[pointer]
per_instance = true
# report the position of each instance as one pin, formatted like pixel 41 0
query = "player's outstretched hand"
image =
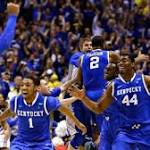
pixel 76 92
pixel 82 128
pixel 142 58
pixel 13 9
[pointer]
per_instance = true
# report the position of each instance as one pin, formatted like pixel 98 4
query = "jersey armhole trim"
pixel 15 105
pixel 145 86
pixel 45 108
pixel 113 89
pixel 108 57
pixel 81 61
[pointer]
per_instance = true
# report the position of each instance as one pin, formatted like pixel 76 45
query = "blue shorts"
pixel 30 146
pixel 84 116
pixel 106 137
pixel 108 132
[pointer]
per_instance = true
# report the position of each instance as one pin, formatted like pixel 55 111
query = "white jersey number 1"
pixel 30 123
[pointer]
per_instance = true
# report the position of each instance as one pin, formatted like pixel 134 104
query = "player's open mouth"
pixel 24 93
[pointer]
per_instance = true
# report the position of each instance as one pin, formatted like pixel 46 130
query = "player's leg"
pixel 105 136
pixel 99 121
pixel 77 138
pixel 84 116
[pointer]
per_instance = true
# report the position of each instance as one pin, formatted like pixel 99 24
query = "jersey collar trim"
pixel 124 80
pixel 36 97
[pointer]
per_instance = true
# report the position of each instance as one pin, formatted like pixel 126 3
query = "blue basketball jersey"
pixel 75 59
pixel 75 62
pixel 133 98
pixel 33 120
pixel 113 110
pixel 55 92
pixel 93 66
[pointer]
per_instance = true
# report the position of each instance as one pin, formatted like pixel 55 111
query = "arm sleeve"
pixel 12 121
pixel 52 104
pixel 8 33
pixel 55 92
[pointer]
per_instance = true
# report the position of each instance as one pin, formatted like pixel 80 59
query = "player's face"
pixel 111 71
pixel 125 65
pixel 1 99
pixel 27 88
pixel 44 87
pixel 87 46
pixel 18 81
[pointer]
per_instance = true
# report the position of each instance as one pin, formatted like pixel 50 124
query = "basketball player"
pixel 33 111
pixel 131 92
pixel 91 71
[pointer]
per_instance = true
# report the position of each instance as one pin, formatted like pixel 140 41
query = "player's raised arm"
pixel 9 31
pixel 141 58
pixel 113 57
pixel 64 110
pixel 76 79
pixel 96 107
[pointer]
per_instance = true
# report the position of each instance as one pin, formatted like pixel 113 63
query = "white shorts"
pixel 4 143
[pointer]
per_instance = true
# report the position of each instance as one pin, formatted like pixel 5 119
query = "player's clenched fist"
pixel 13 9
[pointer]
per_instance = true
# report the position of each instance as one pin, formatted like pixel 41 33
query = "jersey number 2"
pixel 128 101
pixel 94 62
pixel 30 123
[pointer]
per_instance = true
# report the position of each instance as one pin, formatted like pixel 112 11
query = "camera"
pixel 3 5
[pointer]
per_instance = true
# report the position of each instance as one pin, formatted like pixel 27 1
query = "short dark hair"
pixel 131 56
pixel 97 42
pixel 34 78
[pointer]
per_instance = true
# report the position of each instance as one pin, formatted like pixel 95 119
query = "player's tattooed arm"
pixel 96 107
pixel 147 81
pixel 6 114
pixel 64 110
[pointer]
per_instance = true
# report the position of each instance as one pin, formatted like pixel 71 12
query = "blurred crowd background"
pixel 48 33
